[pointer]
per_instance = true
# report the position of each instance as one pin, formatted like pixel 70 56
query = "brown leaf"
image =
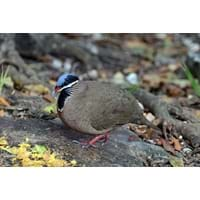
pixel 2 113
pixel 173 90
pixel 176 144
pixel 168 147
pixel 142 130
pixel 4 102
pixel 48 98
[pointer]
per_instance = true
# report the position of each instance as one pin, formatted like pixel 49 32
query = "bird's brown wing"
pixel 109 105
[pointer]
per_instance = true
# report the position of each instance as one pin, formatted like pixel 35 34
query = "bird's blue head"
pixel 65 81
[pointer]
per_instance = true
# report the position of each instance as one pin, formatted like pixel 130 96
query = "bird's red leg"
pixel 92 142
pixel 98 138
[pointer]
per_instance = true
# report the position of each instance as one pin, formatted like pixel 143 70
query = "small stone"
pixel 67 65
pixel 180 137
pixel 173 67
pixel 182 143
pixel 132 78
pixel 93 74
pixel 150 117
pixel 56 63
pixel 187 150
pixel 118 78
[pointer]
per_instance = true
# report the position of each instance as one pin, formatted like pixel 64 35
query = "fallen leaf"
pixel 173 90
pixel 37 156
pixel 167 146
pixel 39 149
pixel 50 108
pixel 3 141
pixel 73 162
pixel 4 102
pixel 140 130
pixel 37 88
pixel 48 98
pixel 2 113
pixel 176 144
pixel 176 162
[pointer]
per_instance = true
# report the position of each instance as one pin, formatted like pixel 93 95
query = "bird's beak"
pixel 56 91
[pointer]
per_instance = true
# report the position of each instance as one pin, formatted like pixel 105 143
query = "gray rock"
pixel 118 151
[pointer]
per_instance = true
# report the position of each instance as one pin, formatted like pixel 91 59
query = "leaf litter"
pixel 26 155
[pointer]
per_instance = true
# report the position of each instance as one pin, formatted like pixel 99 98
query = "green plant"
pixel 4 79
pixel 194 82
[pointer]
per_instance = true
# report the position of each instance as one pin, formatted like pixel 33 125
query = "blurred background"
pixel 151 60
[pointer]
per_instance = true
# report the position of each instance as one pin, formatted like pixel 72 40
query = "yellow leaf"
pixel 37 88
pixel 24 145
pixel 36 156
pixel 73 162
pixel 26 162
pixel 3 141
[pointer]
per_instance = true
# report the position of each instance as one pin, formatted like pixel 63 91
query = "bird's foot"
pixel 91 143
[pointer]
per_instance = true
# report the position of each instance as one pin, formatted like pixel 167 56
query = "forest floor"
pixel 31 134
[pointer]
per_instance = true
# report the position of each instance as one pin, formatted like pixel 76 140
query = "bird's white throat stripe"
pixel 60 110
pixel 68 86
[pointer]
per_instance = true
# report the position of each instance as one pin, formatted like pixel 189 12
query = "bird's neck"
pixel 64 94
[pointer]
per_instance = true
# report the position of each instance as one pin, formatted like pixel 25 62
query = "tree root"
pixel 184 122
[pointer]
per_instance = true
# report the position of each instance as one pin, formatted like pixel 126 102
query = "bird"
pixel 95 107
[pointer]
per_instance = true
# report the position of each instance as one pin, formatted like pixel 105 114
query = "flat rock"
pixel 118 151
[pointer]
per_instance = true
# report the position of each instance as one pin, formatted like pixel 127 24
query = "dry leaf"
pixel 37 156
pixel 4 102
pixel 167 146
pixel 142 130
pixel 2 113
pixel 176 144
pixel 138 129
pixel 176 162
pixel 48 98
pixel 173 90
pixel 37 88
pixel 3 141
